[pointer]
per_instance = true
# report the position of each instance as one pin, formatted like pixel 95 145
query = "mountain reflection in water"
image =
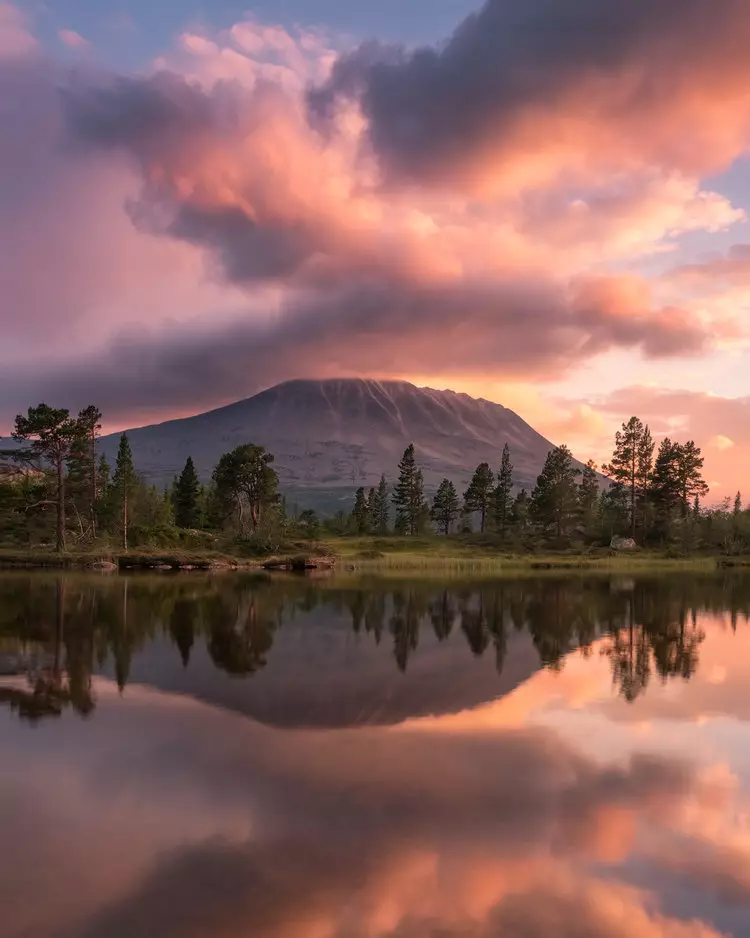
pixel 189 756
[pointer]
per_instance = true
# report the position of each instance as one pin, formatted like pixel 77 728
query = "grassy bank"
pixel 381 555
pixel 441 554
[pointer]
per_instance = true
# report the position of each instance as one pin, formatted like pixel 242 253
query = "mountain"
pixel 329 437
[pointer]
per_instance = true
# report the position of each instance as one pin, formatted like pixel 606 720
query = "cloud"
pixel 268 827
pixel 720 425
pixel 16 39
pixel 520 97
pixel 192 223
pixel 72 39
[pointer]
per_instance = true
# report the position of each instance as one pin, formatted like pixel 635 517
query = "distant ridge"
pixel 331 436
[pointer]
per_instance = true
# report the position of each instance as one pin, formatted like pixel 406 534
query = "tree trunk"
pixel 93 484
pixel 125 520
pixel 60 506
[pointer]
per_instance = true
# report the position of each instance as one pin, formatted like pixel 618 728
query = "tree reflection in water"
pixel 55 632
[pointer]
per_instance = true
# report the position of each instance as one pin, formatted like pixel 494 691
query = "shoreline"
pixel 325 558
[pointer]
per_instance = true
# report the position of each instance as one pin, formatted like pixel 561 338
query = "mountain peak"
pixel 333 435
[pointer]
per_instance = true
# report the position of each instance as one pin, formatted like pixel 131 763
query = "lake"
pixel 195 756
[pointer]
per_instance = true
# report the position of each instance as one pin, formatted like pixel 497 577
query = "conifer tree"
pixel 520 510
pixel 503 495
pixel 690 475
pixel 445 506
pixel 588 494
pixel 630 463
pixel 360 513
pixel 554 501
pixel 737 504
pixel 124 482
pixel 408 495
pixel 53 435
pixel 479 493
pixel 185 497
pixel 379 514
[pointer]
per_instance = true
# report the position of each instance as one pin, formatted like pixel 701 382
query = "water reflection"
pixel 78 626
pixel 421 761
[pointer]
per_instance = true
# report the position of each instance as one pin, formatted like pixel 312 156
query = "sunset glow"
pixel 556 220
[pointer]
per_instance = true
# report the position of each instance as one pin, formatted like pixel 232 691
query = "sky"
pixel 543 204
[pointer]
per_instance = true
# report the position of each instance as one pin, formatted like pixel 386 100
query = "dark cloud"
pixel 529 76
pixel 377 328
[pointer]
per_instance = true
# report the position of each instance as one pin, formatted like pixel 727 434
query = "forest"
pixel 58 493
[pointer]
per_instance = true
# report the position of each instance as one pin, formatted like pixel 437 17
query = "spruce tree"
pixel 479 493
pixel 408 495
pixel 360 513
pixel 690 474
pixel 445 506
pixel 380 513
pixel 554 501
pixel 737 504
pixel 666 488
pixel 588 495
pixel 185 497
pixel 123 483
pixel 503 495
pixel 520 510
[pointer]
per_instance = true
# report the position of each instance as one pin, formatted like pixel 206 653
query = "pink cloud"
pixel 72 39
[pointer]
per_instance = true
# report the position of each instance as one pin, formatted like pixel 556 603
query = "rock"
pixel 623 543
pixel 103 566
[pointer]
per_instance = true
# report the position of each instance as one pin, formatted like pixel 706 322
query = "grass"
pixel 478 555
pixel 473 554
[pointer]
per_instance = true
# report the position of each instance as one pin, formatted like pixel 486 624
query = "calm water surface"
pixel 196 757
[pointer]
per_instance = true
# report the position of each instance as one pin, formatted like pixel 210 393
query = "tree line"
pixel 69 494
pixel 653 495
pixel 63 477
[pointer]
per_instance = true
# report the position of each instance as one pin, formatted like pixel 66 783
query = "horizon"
pixel 207 205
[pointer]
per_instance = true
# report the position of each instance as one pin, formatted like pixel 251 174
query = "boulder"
pixel 623 543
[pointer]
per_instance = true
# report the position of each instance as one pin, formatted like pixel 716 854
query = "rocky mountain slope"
pixel 329 437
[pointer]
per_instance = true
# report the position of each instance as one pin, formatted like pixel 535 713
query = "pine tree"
pixel 737 504
pixel 628 463
pixel 520 510
pixel 690 475
pixel 554 501
pixel 185 497
pixel 666 488
pixel 503 495
pixel 588 494
pixel 644 470
pixel 445 506
pixel 123 483
pixel 479 493
pixel 408 495
pixel 379 513
pixel 53 435
pixel 360 513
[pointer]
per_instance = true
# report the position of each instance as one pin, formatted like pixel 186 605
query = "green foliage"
pixel 503 495
pixel 478 495
pixel 408 496
pixel 377 506
pixel 588 495
pixel 186 497
pixel 630 467
pixel 360 514
pixel 445 506
pixel 52 435
pixel 554 501
pixel 246 485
